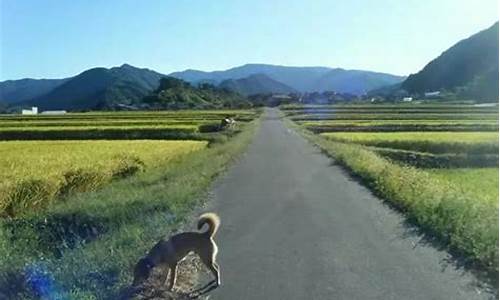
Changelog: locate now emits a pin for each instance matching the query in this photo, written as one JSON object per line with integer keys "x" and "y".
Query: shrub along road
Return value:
{"x": 294, "y": 226}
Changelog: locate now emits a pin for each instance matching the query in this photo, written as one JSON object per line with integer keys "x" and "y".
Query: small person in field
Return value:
{"x": 226, "y": 123}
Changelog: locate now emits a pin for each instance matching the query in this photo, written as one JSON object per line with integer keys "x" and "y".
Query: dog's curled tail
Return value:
{"x": 212, "y": 220}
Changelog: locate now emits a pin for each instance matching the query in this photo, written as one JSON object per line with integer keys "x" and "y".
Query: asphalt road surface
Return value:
{"x": 294, "y": 226}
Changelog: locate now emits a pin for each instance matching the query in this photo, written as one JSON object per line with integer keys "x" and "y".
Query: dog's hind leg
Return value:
{"x": 212, "y": 266}
{"x": 216, "y": 271}
{"x": 173, "y": 275}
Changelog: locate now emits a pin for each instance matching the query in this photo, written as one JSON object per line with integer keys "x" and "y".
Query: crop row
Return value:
{"x": 174, "y": 115}
{"x": 400, "y": 125}
{"x": 399, "y": 106}
{"x": 95, "y": 123}
{"x": 34, "y": 173}
{"x": 396, "y": 122}
{"x": 403, "y": 127}
{"x": 415, "y": 116}
{"x": 432, "y": 142}
{"x": 91, "y": 119}
{"x": 392, "y": 111}
{"x": 91, "y": 133}
{"x": 439, "y": 161}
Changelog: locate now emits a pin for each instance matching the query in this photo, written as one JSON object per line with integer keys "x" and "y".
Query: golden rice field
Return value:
{"x": 462, "y": 137}
{"x": 423, "y": 141}
{"x": 33, "y": 173}
{"x": 396, "y": 122}
{"x": 481, "y": 182}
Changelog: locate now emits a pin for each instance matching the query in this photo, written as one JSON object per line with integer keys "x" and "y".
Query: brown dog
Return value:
{"x": 170, "y": 252}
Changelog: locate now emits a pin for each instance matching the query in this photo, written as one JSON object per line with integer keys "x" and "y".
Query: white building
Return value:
{"x": 407, "y": 99}
{"x": 486, "y": 104}
{"x": 32, "y": 111}
{"x": 432, "y": 94}
{"x": 53, "y": 112}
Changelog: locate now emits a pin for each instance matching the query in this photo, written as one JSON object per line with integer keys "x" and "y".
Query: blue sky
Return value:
{"x": 55, "y": 39}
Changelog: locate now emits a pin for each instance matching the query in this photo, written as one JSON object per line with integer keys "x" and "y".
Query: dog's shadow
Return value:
{"x": 148, "y": 292}
{"x": 195, "y": 294}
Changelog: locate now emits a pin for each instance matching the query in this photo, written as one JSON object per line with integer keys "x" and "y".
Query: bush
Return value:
{"x": 81, "y": 180}
{"x": 28, "y": 194}
{"x": 127, "y": 166}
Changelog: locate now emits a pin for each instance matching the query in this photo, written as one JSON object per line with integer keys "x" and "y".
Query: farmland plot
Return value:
{"x": 426, "y": 141}
{"x": 180, "y": 125}
{"x": 34, "y": 172}
{"x": 66, "y": 203}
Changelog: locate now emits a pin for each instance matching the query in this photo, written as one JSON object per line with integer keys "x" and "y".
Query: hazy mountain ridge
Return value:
{"x": 302, "y": 79}
{"x": 15, "y": 91}
{"x": 256, "y": 84}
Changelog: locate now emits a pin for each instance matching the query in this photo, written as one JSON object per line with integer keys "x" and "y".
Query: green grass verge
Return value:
{"x": 85, "y": 247}
{"x": 468, "y": 224}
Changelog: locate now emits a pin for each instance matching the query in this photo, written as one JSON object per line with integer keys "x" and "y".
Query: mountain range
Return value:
{"x": 98, "y": 88}
{"x": 103, "y": 88}
{"x": 470, "y": 68}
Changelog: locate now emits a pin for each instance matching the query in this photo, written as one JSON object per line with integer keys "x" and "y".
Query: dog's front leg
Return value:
{"x": 173, "y": 275}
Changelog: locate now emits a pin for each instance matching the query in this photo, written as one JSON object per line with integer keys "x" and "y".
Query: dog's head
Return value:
{"x": 142, "y": 271}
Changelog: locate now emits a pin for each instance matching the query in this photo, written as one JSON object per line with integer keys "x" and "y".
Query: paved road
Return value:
{"x": 294, "y": 226}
